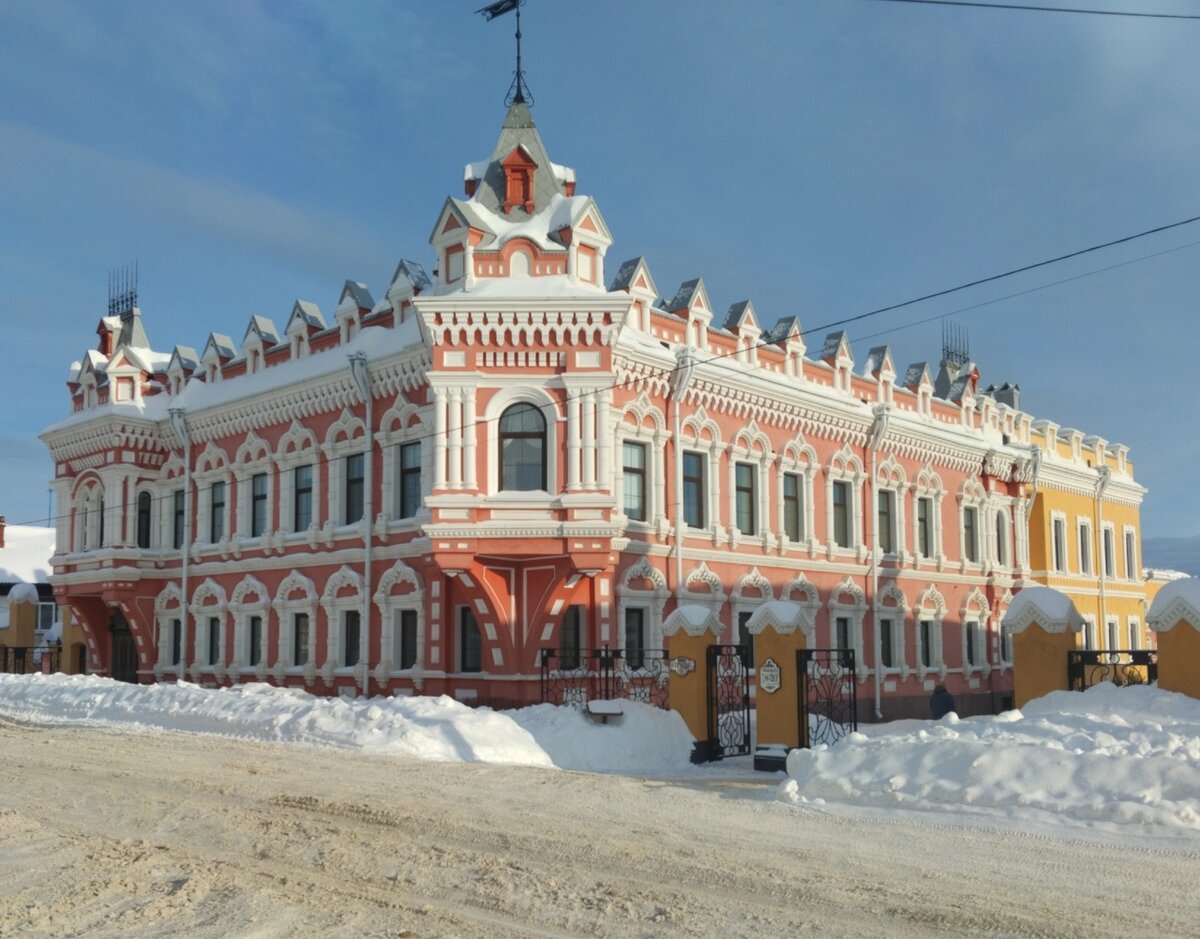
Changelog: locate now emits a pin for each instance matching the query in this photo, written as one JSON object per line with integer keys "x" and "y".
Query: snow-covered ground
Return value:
{"x": 175, "y": 810}
{"x": 1109, "y": 756}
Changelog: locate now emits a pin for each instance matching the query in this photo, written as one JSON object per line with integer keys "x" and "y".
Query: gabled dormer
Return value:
{"x": 184, "y": 362}
{"x": 409, "y": 281}
{"x": 519, "y": 179}
{"x": 519, "y": 169}
{"x": 260, "y": 336}
{"x": 634, "y": 278}
{"x": 107, "y": 330}
{"x": 742, "y": 321}
{"x": 880, "y": 366}
{"x": 788, "y": 334}
{"x": 305, "y": 320}
{"x": 691, "y": 303}
{"x": 458, "y": 231}
{"x": 578, "y": 225}
{"x": 918, "y": 381}
{"x": 91, "y": 376}
{"x": 354, "y": 303}
{"x": 126, "y": 373}
{"x": 217, "y": 352}
{"x": 837, "y": 355}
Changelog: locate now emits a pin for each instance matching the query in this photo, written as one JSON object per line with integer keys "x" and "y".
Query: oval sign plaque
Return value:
{"x": 768, "y": 676}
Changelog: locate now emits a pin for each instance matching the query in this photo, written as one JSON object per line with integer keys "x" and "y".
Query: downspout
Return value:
{"x": 362, "y": 380}
{"x": 878, "y": 430}
{"x": 1101, "y": 486}
{"x": 681, "y": 379}
{"x": 179, "y": 425}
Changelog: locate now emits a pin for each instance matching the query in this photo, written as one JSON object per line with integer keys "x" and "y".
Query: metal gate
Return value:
{"x": 828, "y": 698}
{"x": 574, "y": 677}
{"x": 728, "y": 704}
{"x": 1088, "y": 667}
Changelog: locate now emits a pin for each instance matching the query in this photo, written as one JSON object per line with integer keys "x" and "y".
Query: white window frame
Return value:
{"x": 845, "y": 466}
{"x": 298, "y": 447}
{"x": 1060, "y": 554}
{"x": 1083, "y": 525}
{"x": 928, "y": 486}
{"x": 334, "y": 606}
{"x": 1108, "y": 536}
{"x": 855, "y": 610}
{"x": 930, "y": 606}
{"x": 390, "y": 605}
{"x": 286, "y": 605}
{"x": 1134, "y": 632}
{"x": 1129, "y": 548}
{"x": 346, "y": 438}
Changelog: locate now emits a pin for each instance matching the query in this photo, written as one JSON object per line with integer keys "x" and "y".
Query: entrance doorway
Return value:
{"x": 123, "y": 652}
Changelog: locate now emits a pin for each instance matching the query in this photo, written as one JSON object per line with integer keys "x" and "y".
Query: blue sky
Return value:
{"x": 821, "y": 158}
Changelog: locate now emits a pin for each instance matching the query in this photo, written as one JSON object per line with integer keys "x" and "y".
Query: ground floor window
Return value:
{"x": 887, "y": 643}
{"x": 635, "y": 637}
{"x": 350, "y": 630}
{"x": 254, "y": 655}
{"x": 299, "y": 639}
{"x": 214, "y": 639}
{"x": 570, "y": 640}
{"x": 470, "y": 645}
{"x": 404, "y": 639}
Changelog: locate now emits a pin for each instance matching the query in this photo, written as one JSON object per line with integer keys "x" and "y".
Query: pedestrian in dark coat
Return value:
{"x": 941, "y": 702}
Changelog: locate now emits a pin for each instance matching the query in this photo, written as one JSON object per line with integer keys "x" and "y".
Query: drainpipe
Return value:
{"x": 878, "y": 430}
{"x": 681, "y": 379}
{"x": 1101, "y": 486}
{"x": 179, "y": 425}
{"x": 362, "y": 380}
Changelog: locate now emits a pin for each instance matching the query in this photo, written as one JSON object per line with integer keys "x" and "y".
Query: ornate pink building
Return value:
{"x": 421, "y": 493}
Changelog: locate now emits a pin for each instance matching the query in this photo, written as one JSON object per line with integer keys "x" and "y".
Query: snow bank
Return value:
{"x": 440, "y": 729}
{"x": 1119, "y": 755}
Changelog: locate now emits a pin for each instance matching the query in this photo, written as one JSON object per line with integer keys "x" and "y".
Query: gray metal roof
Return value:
{"x": 737, "y": 313}
{"x": 875, "y": 360}
{"x": 360, "y": 293}
{"x": 221, "y": 344}
{"x": 782, "y": 329}
{"x": 414, "y": 273}
{"x": 518, "y": 130}
{"x": 186, "y": 357}
{"x": 132, "y": 333}
{"x": 832, "y": 343}
{"x": 309, "y": 313}
{"x": 264, "y": 328}
{"x": 624, "y": 278}
{"x": 683, "y": 296}
{"x": 912, "y": 374}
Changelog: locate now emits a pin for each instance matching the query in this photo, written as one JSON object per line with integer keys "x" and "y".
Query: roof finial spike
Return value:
{"x": 518, "y": 91}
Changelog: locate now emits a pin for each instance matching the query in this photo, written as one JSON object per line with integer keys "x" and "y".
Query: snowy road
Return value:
{"x": 121, "y": 833}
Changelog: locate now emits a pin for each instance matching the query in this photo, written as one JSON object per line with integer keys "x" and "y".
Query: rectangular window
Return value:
{"x": 843, "y": 639}
{"x": 410, "y": 479}
{"x": 176, "y": 640}
{"x": 216, "y": 507}
{"x": 45, "y": 616}
{"x": 693, "y": 490}
{"x": 1135, "y": 634}
{"x": 302, "y": 497}
{"x": 635, "y": 637}
{"x": 887, "y": 655}
{"x": 470, "y": 646}
{"x": 925, "y": 527}
{"x": 299, "y": 639}
{"x": 355, "y": 476}
{"x": 1005, "y": 644}
{"x": 887, "y": 521}
{"x": 970, "y": 536}
{"x": 405, "y": 639}
{"x": 214, "y": 639}
{"x": 177, "y": 499}
{"x": 841, "y": 514}
{"x": 258, "y": 505}
{"x": 1113, "y": 637}
{"x": 1089, "y": 635}
{"x": 746, "y": 639}
{"x": 1131, "y": 572}
{"x": 1060, "y": 544}
{"x": 570, "y": 640}
{"x": 744, "y": 497}
{"x": 927, "y": 643}
{"x": 634, "y": 481}
{"x": 793, "y": 517}
{"x": 351, "y": 620}
{"x": 1110, "y": 561}
{"x": 254, "y": 652}
{"x": 1085, "y": 548}
{"x": 970, "y": 651}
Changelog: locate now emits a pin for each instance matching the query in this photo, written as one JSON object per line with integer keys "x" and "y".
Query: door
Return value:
{"x": 123, "y": 653}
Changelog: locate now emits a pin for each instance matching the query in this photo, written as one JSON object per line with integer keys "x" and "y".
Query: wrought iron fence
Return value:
{"x": 1088, "y": 667}
{"x": 828, "y": 699}
{"x": 728, "y": 703}
{"x": 25, "y": 660}
{"x": 576, "y": 676}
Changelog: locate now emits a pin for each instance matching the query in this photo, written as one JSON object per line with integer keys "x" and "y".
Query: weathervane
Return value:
{"x": 122, "y": 289}
{"x": 519, "y": 89}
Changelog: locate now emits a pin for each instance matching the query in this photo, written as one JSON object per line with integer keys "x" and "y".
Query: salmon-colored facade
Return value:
{"x": 541, "y": 462}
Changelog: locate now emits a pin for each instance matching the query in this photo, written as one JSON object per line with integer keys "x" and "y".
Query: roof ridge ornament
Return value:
{"x": 518, "y": 91}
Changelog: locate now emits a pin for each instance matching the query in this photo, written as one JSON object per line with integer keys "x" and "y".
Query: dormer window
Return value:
{"x": 518, "y": 169}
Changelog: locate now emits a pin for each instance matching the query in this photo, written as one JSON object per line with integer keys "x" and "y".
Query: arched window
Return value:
{"x": 522, "y": 448}
{"x": 143, "y": 520}
{"x": 1001, "y": 538}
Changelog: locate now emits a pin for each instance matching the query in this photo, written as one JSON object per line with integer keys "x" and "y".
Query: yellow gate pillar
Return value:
{"x": 779, "y": 630}
{"x": 1175, "y": 617}
{"x": 1045, "y": 626}
{"x": 690, "y": 630}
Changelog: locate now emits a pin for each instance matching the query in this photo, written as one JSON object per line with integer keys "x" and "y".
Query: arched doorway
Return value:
{"x": 123, "y": 657}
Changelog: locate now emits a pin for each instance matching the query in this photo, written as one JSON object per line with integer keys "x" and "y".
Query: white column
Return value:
{"x": 573, "y": 440}
{"x": 469, "y": 432}
{"x": 604, "y": 434}
{"x": 455, "y": 435}
{"x": 439, "y": 438}
{"x": 589, "y": 440}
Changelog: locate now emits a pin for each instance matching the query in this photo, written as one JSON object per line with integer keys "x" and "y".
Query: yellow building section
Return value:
{"x": 1085, "y": 535}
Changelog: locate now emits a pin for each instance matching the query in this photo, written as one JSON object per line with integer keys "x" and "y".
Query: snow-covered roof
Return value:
{"x": 411, "y": 273}
{"x": 265, "y": 330}
{"x": 784, "y": 616}
{"x": 556, "y": 213}
{"x": 915, "y": 374}
{"x": 518, "y": 130}
{"x": 186, "y": 357}
{"x": 695, "y": 619}
{"x": 683, "y": 296}
{"x": 221, "y": 345}
{"x": 359, "y": 293}
{"x": 1175, "y": 601}
{"x": 308, "y": 313}
{"x": 26, "y": 554}
{"x": 1051, "y": 609}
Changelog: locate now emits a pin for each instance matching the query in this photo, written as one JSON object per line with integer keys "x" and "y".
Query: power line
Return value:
{"x": 665, "y": 373}
{"x": 1047, "y": 9}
